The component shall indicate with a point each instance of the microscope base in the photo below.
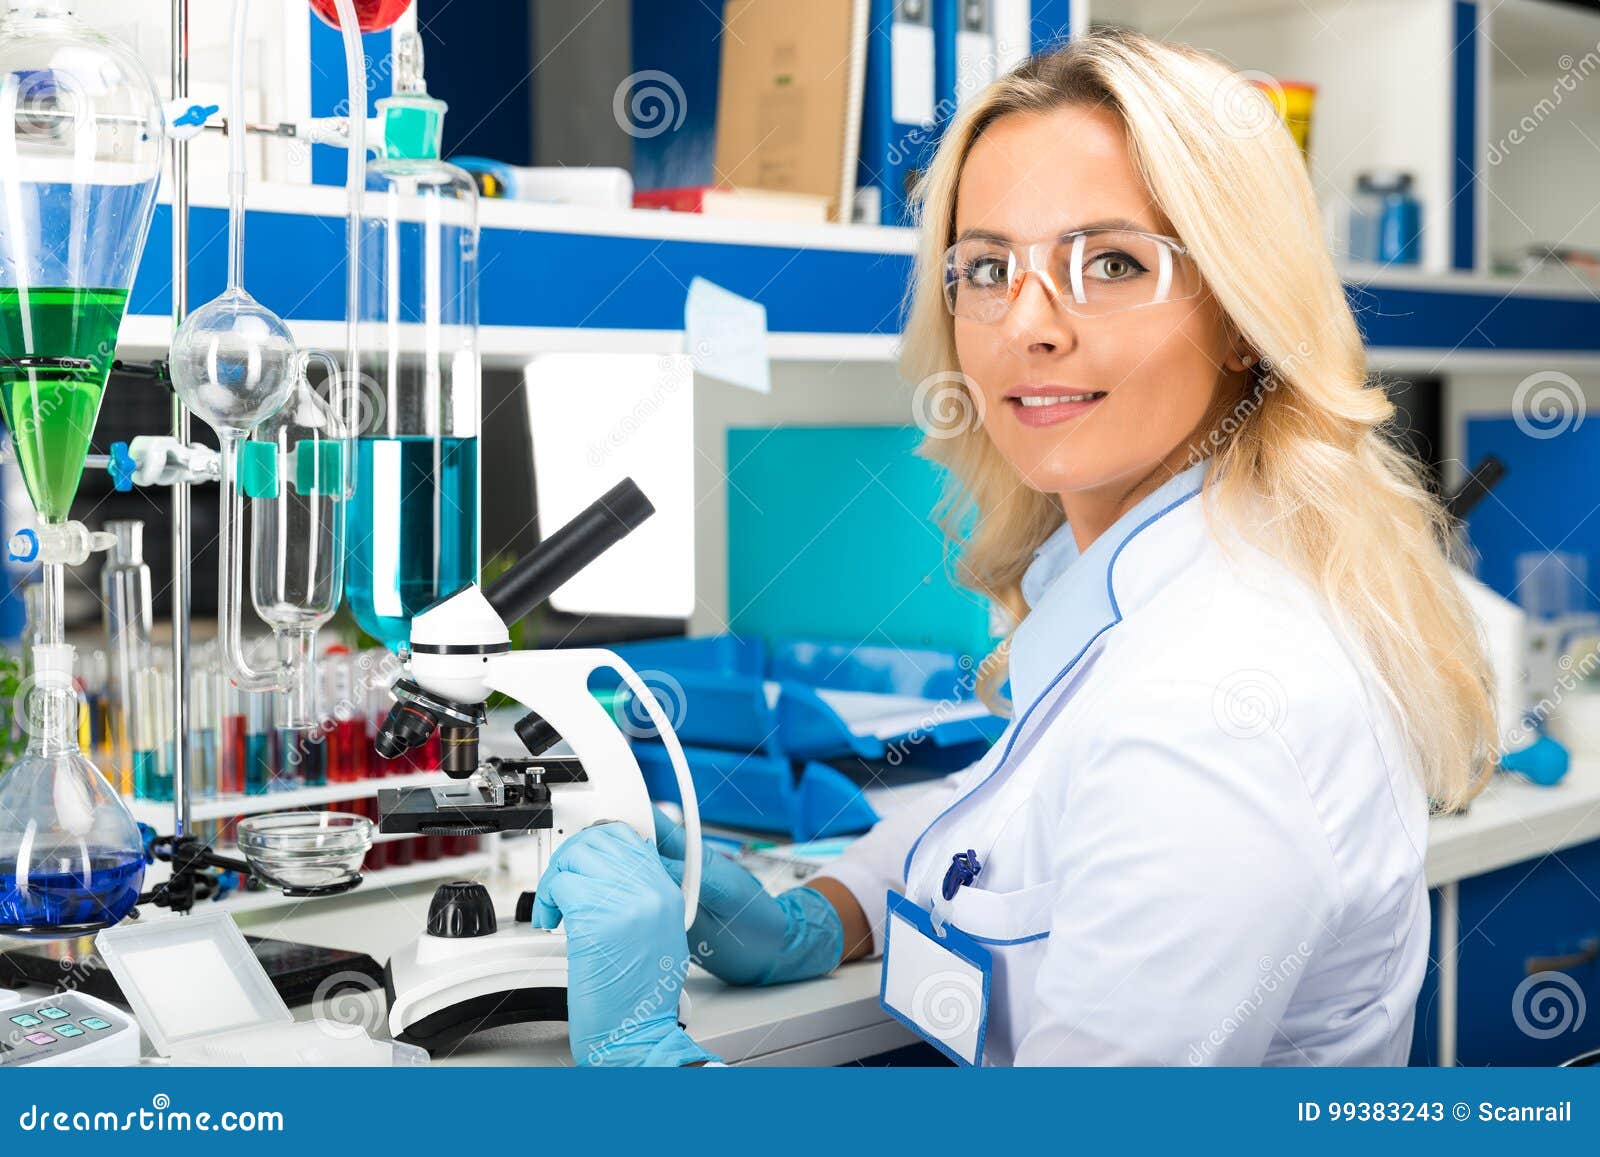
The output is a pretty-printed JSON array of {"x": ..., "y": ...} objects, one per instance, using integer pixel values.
[{"x": 441, "y": 990}]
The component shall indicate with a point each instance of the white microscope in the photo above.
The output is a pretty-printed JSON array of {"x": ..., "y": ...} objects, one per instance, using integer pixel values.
[{"x": 466, "y": 972}]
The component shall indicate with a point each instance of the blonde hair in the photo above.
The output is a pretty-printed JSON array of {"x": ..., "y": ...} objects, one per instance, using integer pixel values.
[{"x": 1346, "y": 509}]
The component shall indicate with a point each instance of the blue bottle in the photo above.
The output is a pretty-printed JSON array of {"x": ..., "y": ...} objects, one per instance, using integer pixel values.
[{"x": 1385, "y": 219}]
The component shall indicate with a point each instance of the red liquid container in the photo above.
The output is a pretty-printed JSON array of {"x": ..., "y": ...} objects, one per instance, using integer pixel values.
[
  {"x": 377, "y": 855},
  {"x": 353, "y": 747},
  {"x": 230, "y": 777},
  {"x": 372, "y": 15}
]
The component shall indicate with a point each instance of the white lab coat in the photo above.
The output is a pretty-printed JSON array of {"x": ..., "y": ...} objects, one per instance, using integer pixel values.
[{"x": 1203, "y": 842}]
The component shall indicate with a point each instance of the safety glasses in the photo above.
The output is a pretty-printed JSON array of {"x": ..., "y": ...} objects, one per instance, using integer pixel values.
[{"x": 1088, "y": 272}]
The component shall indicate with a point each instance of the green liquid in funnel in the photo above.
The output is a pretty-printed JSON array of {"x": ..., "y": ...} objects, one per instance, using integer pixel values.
[{"x": 51, "y": 412}]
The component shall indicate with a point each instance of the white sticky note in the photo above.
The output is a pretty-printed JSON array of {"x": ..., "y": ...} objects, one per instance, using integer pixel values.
[{"x": 727, "y": 336}]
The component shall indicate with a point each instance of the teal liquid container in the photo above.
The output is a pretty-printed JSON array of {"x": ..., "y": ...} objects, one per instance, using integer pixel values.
[{"x": 413, "y": 520}]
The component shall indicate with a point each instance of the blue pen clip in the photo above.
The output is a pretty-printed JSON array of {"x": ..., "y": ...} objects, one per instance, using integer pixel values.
[{"x": 964, "y": 868}]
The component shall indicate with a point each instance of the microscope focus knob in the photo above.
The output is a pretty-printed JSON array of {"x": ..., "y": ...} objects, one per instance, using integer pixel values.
[{"x": 461, "y": 910}]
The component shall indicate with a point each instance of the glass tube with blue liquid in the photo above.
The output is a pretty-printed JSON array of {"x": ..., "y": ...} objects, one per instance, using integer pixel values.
[{"x": 413, "y": 532}]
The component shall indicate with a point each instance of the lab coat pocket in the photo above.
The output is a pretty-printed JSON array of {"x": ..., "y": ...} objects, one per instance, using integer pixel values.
[
  {"x": 1015, "y": 929},
  {"x": 1004, "y": 918}
]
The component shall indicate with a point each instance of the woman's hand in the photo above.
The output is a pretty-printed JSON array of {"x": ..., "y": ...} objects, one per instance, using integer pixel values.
[
  {"x": 746, "y": 936},
  {"x": 626, "y": 949}
]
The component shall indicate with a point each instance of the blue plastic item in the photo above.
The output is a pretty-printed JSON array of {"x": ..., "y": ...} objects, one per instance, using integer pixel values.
[
  {"x": 121, "y": 467},
  {"x": 196, "y": 114},
  {"x": 28, "y": 538},
  {"x": 1385, "y": 219},
  {"x": 504, "y": 175},
  {"x": 927, "y": 673},
  {"x": 720, "y": 696},
  {"x": 755, "y": 725},
  {"x": 1544, "y": 761},
  {"x": 724, "y": 654},
  {"x": 761, "y": 792}
]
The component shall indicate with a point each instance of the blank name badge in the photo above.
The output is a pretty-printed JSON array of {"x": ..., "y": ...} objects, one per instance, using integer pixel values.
[{"x": 937, "y": 984}]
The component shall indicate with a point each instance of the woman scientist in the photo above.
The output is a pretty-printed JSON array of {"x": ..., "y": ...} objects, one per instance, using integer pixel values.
[{"x": 1241, "y": 668}]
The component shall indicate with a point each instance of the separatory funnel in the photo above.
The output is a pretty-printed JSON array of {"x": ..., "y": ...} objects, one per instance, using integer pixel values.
[
  {"x": 81, "y": 138},
  {"x": 71, "y": 857},
  {"x": 234, "y": 363}
]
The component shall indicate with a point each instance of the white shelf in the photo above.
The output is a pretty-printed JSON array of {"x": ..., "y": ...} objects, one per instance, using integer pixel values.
[
  {"x": 651, "y": 224},
  {"x": 159, "y": 815},
  {"x": 1515, "y": 821},
  {"x": 1542, "y": 130},
  {"x": 1563, "y": 287},
  {"x": 1382, "y": 69},
  {"x": 375, "y": 884},
  {"x": 512, "y": 347}
]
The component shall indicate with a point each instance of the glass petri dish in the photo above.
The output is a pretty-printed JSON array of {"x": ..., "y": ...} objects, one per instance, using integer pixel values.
[{"x": 306, "y": 851}]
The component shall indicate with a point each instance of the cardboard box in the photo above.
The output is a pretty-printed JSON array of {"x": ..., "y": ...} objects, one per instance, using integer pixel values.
[{"x": 789, "y": 100}]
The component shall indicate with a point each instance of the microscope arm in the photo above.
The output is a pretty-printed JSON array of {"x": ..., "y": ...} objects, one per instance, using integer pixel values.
[{"x": 555, "y": 684}]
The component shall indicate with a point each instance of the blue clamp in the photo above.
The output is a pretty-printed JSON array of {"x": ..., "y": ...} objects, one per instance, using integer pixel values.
[
  {"x": 147, "y": 837},
  {"x": 32, "y": 539},
  {"x": 964, "y": 869},
  {"x": 227, "y": 882},
  {"x": 121, "y": 466},
  {"x": 197, "y": 114}
]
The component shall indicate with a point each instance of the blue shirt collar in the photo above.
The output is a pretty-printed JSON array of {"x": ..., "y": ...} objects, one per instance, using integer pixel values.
[
  {"x": 1060, "y": 550},
  {"x": 1069, "y": 591}
]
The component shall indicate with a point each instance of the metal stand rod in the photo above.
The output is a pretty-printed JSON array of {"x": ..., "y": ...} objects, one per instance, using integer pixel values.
[{"x": 180, "y": 431}]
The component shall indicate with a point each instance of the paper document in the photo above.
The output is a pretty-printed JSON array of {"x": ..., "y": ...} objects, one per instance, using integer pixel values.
[
  {"x": 727, "y": 336},
  {"x": 886, "y": 716}
]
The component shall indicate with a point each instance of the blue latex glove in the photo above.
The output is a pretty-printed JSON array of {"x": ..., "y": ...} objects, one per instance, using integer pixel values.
[
  {"x": 626, "y": 950},
  {"x": 745, "y": 935}
]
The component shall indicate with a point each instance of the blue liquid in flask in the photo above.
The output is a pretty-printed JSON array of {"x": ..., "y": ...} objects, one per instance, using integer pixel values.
[
  {"x": 44, "y": 904},
  {"x": 413, "y": 529}
]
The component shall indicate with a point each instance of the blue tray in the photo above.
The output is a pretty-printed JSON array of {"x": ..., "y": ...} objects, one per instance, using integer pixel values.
[
  {"x": 761, "y": 792},
  {"x": 755, "y": 726},
  {"x": 750, "y": 696}
]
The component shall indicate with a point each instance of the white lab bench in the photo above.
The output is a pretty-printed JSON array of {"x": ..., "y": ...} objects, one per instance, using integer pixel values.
[
  {"x": 837, "y": 1019},
  {"x": 829, "y": 1021}
]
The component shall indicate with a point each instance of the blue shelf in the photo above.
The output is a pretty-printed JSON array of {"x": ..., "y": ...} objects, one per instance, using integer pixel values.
[
  {"x": 543, "y": 277},
  {"x": 1475, "y": 315},
  {"x": 630, "y": 271}
]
